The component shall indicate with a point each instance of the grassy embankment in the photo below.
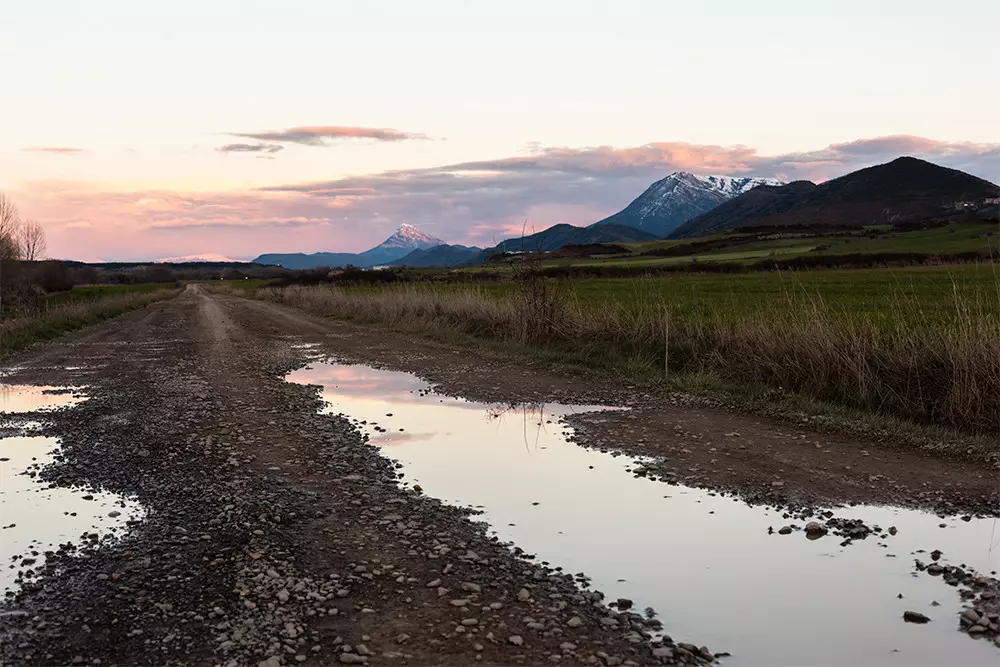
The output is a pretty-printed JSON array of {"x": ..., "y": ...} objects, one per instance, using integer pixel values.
[
  {"x": 919, "y": 344},
  {"x": 75, "y": 309}
]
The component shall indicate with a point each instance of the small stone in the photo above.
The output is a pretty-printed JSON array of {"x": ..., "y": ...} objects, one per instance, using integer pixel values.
[
  {"x": 459, "y": 603},
  {"x": 785, "y": 530},
  {"x": 970, "y": 617},
  {"x": 352, "y": 659},
  {"x": 574, "y": 622},
  {"x": 815, "y": 529},
  {"x": 915, "y": 617},
  {"x": 516, "y": 640},
  {"x": 523, "y": 595},
  {"x": 434, "y": 584}
]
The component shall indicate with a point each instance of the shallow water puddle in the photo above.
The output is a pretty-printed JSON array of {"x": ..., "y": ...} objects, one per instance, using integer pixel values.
[
  {"x": 704, "y": 562},
  {"x": 29, "y": 398},
  {"x": 34, "y": 516}
]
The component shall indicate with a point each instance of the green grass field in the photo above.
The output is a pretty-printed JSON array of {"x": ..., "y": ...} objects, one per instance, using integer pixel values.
[
  {"x": 915, "y": 296},
  {"x": 950, "y": 239}
]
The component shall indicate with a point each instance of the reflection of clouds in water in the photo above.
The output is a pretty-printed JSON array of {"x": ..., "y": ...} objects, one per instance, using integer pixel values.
[
  {"x": 398, "y": 438},
  {"x": 358, "y": 381},
  {"x": 583, "y": 510},
  {"x": 28, "y": 398},
  {"x": 347, "y": 386},
  {"x": 38, "y": 516}
]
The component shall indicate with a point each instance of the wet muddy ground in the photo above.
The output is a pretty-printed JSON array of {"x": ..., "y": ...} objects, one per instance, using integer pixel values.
[
  {"x": 707, "y": 563},
  {"x": 38, "y": 518},
  {"x": 472, "y": 520}
]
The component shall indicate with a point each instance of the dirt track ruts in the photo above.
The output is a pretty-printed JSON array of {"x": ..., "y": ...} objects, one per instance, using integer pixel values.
[{"x": 274, "y": 534}]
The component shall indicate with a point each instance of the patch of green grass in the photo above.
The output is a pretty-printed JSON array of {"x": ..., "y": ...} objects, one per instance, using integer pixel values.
[
  {"x": 961, "y": 237},
  {"x": 910, "y": 296}
]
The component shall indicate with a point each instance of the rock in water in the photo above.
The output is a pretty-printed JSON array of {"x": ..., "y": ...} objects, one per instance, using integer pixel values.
[
  {"x": 815, "y": 529},
  {"x": 915, "y": 617}
]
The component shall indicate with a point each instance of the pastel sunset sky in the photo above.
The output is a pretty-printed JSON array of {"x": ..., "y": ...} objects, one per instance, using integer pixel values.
[{"x": 140, "y": 130}]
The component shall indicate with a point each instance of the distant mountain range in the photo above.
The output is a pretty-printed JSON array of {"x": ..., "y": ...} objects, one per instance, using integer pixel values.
[
  {"x": 409, "y": 246},
  {"x": 685, "y": 205},
  {"x": 672, "y": 201},
  {"x": 403, "y": 241},
  {"x": 903, "y": 190}
]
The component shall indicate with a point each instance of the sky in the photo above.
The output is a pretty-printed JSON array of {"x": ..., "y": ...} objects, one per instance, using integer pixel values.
[{"x": 139, "y": 130}]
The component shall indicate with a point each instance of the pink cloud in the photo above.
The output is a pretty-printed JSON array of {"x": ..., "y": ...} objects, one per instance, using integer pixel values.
[
  {"x": 57, "y": 150},
  {"x": 320, "y": 135}
]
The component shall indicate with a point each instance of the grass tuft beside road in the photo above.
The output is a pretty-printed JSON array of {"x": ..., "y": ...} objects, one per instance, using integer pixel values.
[{"x": 65, "y": 314}]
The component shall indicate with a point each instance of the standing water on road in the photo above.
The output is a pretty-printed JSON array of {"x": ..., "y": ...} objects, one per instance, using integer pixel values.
[
  {"x": 36, "y": 517},
  {"x": 706, "y": 563}
]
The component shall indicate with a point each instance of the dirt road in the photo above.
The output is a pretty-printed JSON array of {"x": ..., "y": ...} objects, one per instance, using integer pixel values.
[{"x": 275, "y": 535}]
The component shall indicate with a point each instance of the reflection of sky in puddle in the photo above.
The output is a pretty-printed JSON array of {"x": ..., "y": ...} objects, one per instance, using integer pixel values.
[
  {"x": 34, "y": 517},
  {"x": 704, "y": 562},
  {"x": 28, "y": 398}
]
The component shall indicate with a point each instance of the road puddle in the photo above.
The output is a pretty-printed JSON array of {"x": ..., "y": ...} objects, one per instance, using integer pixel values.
[
  {"x": 18, "y": 398},
  {"x": 707, "y": 563},
  {"x": 36, "y": 517}
]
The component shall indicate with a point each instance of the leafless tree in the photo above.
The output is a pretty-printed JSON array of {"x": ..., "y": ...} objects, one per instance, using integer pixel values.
[
  {"x": 10, "y": 225},
  {"x": 32, "y": 240}
]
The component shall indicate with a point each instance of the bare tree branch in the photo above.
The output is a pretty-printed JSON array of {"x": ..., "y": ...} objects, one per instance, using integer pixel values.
[
  {"x": 10, "y": 225},
  {"x": 32, "y": 240}
]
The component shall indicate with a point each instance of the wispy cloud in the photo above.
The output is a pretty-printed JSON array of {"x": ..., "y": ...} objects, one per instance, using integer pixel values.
[
  {"x": 322, "y": 135},
  {"x": 250, "y": 148},
  {"x": 57, "y": 150}
]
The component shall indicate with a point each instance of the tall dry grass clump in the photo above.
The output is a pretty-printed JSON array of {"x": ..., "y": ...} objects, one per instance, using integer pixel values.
[{"x": 940, "y": 365}]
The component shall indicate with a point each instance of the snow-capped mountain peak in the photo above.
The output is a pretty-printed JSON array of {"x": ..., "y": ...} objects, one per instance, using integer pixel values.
[
  {"x": 408, "y": 236},
  {"x": 205, "y": 257},
  {"x": 675, "y": 199},
  {"x": 734, "y": 186}
]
